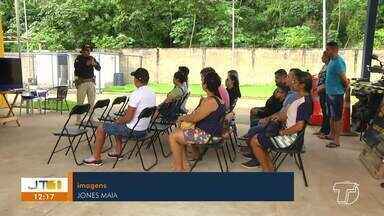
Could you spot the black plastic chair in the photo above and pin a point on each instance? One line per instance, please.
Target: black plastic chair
(295, 150)
(61, 96)
(116, 102)
(72, 132)
(232, 135)
(216, 143)
(161, 128)
(29, 107)
(146, 113)
(164, 121)
(100, 104)
(122, 110)
(180, 111)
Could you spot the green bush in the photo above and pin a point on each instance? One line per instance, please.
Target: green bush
(379, 38)
(296, 37)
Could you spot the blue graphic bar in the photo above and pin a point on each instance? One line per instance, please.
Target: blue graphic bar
(197, 186)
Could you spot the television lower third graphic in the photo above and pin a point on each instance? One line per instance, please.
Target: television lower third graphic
(163, 186)
(347, 192)
(160, 186)
(44, 189)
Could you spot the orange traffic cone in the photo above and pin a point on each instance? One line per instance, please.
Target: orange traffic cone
(317, 115)
(346, 130)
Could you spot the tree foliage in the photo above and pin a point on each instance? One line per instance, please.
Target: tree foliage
(116, 24)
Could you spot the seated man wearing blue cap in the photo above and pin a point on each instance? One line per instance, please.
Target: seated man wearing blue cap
(143, 97)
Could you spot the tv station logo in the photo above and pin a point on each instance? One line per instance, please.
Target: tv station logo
(44, 189)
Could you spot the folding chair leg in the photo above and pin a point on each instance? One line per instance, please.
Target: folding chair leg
(235, 135)
(110, 144)
(32, 108)
(282, 160)
(141, 157)
(218, 160)
(21, 105)
(296, 162)
(45, 106)
(165, 155)
(199, 159)
(225, 159)
(302, 170)
(236, 140)
(73, 150)
(229, 152)
(276, 157)
(93, 135)
(133, 149)
(89, 143)
(66, 153)
(122, 150)
(235, 130)
(54, 149)
(61, 107)
(233, 146)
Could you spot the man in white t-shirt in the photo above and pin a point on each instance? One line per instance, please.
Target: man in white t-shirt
(128, 125)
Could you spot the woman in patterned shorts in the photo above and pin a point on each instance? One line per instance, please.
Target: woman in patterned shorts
(206, 118)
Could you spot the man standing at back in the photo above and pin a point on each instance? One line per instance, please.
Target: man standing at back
(336, 83)
(85, 77)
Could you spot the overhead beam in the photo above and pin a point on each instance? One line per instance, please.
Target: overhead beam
(369, 37)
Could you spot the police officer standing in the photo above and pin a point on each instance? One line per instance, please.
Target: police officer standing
(85, 77)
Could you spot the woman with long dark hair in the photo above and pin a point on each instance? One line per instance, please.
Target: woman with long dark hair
(185, 87)
(206, 119)
(233, 89)
(222, 91)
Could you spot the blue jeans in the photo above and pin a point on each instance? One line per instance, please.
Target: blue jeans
(255, 130)
(112, 128)
(325, 127)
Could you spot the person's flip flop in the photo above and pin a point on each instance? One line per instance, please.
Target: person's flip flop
(332, 145)
(324, 137)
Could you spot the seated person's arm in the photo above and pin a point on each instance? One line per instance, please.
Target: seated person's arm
(299, 126)
(282, 115)
(274, 116)
(128, 116)
(172, 95)
(207, 106)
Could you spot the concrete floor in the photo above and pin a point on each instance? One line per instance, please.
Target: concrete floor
(25, 150)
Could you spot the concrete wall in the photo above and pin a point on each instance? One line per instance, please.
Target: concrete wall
(256, 66)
